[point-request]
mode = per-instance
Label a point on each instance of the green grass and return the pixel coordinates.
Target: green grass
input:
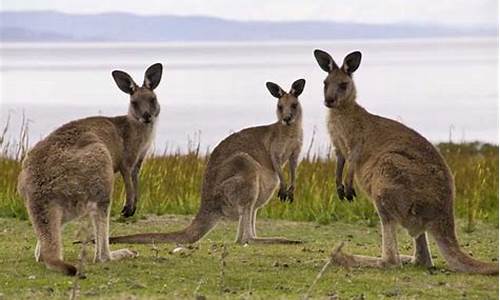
(255, 271)
(171, 184)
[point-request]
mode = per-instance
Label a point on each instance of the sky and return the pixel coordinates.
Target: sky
(445, 12)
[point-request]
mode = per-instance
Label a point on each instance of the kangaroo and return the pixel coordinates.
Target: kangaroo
(70, 173)
(405, 176)
(242, 173)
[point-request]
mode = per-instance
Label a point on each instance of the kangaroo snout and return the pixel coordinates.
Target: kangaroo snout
(147, 117)
(287, 120)
(329, 102)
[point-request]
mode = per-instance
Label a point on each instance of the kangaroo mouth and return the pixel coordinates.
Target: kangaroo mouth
(146, 121)
(329, 103)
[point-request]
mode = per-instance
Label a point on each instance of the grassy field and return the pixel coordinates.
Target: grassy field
(254, 271)
(171, 184)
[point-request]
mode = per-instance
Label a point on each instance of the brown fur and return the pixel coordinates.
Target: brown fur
(243, 172)
(404, 175)
(70, 174)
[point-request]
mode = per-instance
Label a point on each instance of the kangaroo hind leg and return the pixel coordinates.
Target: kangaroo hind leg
(268, 240)
(390, 254)
(99, 214)
(422, 255)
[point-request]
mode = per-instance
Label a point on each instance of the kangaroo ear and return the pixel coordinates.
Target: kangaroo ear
(351, 62)
(275, 89)
(124, 82)
(297, 87)
(152, 76)
(325, 61)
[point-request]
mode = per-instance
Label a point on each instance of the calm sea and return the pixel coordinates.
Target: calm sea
(444, 88)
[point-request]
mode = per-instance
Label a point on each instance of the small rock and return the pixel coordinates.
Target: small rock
(178, 250)
(31, 277)
(276, 264)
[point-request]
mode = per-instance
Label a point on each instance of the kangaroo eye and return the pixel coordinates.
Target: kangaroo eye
(294, 106)
(280, 108)
(343, 86)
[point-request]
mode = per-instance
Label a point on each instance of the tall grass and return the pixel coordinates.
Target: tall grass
(170, 183)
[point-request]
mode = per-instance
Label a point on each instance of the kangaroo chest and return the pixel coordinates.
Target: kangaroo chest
(287, 147)
(136, 146)
(338, 135)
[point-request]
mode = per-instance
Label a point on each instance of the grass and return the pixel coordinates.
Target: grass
(254, 271)
(171, 183)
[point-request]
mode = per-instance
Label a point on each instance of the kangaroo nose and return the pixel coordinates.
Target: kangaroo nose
(329, 101)
(287, 119)
(147, 117)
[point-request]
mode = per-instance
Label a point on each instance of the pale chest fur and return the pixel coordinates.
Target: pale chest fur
(139, 143)
(338, 131)
(147, 142)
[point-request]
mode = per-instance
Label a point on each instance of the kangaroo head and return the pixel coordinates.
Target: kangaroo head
(144, 106)
(288, 109)
(339, 86)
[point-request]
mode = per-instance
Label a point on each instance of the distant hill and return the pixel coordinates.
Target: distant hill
(39, 26)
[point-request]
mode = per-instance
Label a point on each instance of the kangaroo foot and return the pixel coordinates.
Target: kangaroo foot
(123, 253)
(355, 261)
(117, 255)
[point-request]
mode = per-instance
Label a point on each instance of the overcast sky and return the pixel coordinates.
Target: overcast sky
(449, 12)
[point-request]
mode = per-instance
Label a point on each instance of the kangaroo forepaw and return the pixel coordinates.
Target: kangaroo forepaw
(286, 194)
(350, 193)
(128, 210)
(340, 191)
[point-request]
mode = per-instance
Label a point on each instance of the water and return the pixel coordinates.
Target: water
(443, 88)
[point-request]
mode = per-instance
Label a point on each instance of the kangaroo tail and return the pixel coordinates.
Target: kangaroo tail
(202, 223)
(446, 239)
